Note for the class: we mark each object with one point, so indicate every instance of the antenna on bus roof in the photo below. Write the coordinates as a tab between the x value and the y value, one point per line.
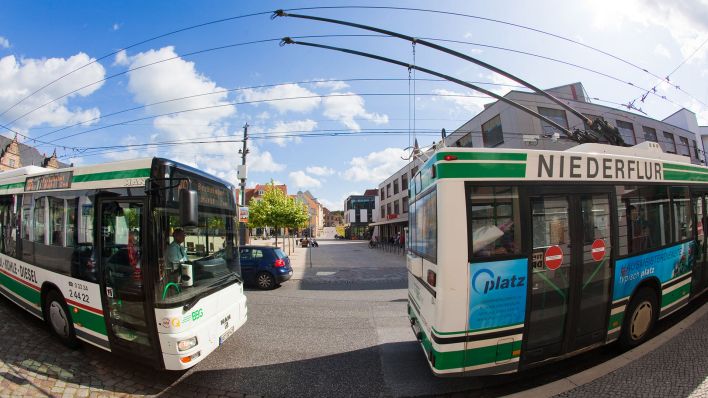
598	128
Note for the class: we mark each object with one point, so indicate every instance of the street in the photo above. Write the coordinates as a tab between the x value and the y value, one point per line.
340	329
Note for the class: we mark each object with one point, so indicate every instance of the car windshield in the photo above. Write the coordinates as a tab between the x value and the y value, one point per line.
195	259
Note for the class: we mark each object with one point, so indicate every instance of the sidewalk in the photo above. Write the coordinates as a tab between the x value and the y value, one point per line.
672	364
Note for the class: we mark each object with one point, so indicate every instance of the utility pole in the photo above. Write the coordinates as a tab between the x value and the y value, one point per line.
242	173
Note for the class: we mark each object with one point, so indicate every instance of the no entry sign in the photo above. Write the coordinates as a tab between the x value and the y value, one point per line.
598	249
553	257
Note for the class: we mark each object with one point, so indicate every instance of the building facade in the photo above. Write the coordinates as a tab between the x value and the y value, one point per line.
391	213
359	213
333	218
502	126
14	155
315	210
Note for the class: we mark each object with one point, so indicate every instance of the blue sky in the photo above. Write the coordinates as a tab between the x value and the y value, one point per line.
40	41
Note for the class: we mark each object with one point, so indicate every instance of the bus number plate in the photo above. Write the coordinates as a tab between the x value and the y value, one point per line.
226	335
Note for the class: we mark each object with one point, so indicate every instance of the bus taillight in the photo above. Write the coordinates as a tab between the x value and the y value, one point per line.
450	157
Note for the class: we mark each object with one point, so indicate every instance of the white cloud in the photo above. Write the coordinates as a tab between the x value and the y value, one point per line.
283	131
121	58
332	205
262	161
376	166
472	105
662	51
274	94
332	84
179	78
303	181
116	26
132	153
346	108
4	43
19	78
320	170
685	20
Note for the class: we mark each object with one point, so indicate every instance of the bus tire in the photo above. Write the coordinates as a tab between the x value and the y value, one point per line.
639	318
58	318
265	281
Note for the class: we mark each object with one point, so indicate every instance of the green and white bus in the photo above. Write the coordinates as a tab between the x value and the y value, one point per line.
521	257
86	249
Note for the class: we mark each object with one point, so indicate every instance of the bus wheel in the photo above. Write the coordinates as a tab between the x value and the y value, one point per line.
265	281
639	318
58	318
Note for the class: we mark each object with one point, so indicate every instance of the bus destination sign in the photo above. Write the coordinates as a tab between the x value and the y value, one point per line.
49	181
213	196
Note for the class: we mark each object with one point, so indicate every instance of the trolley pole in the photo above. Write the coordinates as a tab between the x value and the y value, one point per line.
243	175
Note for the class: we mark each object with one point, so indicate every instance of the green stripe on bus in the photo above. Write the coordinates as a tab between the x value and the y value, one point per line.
478	330
684	176
685	168
477	356
88	319
112	175
13	185
483	156
615	321
675	295
20	289
481	170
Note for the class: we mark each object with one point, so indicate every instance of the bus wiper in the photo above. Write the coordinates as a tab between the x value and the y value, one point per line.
207	291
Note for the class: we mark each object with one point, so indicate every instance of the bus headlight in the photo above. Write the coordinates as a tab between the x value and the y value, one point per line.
184	345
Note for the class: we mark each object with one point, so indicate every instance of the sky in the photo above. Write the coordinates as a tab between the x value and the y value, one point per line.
319	120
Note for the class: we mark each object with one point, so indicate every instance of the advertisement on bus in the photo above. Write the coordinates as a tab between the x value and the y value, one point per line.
664	264
497	294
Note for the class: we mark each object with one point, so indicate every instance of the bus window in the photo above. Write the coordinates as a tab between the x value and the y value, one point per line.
56	221
647	216
683	225
39	220
494	221
424	213
8	226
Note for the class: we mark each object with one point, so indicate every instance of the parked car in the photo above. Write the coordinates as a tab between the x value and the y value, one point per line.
264	266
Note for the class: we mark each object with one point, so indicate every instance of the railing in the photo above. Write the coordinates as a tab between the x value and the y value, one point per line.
387	247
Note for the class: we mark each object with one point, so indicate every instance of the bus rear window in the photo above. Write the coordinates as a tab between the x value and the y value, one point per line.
493	214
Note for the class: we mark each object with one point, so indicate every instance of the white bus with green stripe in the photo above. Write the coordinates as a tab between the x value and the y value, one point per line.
87	249
521	257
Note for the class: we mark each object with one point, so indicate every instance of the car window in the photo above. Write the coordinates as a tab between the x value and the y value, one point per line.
279	253
257	254
245	254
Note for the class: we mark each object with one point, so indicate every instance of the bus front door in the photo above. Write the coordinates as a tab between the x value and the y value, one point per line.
121	249
700	268
571	274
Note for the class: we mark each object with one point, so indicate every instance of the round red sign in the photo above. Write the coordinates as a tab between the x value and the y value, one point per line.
598	249
553	257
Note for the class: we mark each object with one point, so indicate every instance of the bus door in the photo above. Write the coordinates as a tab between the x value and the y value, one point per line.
571	273
700	268
121	248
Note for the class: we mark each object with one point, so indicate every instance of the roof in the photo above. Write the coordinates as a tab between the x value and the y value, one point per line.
29	155
371	192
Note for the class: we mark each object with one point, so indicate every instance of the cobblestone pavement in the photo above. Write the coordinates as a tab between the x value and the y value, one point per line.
679	368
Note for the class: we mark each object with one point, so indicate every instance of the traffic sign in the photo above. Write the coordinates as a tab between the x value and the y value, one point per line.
598	249
553	257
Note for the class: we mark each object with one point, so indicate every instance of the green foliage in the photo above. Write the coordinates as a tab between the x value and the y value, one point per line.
277	210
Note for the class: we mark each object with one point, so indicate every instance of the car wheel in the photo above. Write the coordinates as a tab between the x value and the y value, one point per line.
59	319
265	281
639	318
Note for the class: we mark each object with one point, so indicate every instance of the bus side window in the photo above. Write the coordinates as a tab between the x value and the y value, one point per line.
494	216
8	226
79	236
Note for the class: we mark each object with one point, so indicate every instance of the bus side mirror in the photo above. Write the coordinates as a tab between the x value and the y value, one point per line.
188	208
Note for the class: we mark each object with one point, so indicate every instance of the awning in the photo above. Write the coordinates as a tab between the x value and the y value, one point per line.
389	222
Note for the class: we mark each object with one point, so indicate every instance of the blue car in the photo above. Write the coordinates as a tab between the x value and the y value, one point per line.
264	266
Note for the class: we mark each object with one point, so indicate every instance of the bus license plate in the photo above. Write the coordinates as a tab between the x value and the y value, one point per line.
226	335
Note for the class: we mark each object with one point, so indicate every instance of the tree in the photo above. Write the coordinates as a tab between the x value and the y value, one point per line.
276	210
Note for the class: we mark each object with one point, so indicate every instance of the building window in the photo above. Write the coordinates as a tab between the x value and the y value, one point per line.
465	141
649	134
383	212
395	186
404	204
683	146
382	194
626	130
388	208
388	190
492	134
414	171
404	182
558	116
670	142
695	149
12	162
396	209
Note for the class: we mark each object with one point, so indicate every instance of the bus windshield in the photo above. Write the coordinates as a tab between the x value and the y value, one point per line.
196	259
